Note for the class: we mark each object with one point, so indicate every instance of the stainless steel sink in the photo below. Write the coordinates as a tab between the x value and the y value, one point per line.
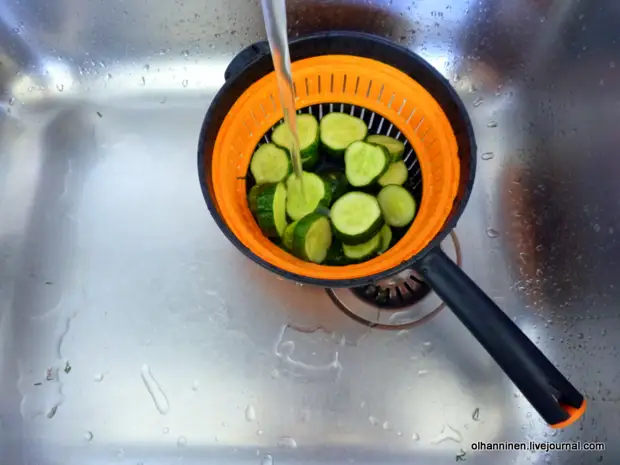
131	331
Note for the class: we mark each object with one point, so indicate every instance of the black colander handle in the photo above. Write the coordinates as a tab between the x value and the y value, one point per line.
549	392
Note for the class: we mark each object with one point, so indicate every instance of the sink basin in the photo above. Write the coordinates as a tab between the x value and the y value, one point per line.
132	331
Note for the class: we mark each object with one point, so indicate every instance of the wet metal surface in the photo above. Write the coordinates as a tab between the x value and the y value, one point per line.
132	332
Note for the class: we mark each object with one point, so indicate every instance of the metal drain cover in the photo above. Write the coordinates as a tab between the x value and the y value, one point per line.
398	302
403	290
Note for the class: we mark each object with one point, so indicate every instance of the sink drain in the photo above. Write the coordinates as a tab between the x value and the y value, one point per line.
403	290
398	302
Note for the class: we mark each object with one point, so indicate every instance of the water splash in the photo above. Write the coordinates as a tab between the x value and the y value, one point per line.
492	233
156	392
267	460
181	441
448	433
98	377
88	436
287	442
487	156
250	414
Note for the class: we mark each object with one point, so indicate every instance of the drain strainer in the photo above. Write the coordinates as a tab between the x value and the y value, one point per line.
403	290
398	302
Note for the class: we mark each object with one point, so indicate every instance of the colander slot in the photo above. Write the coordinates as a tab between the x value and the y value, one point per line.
408	156
380	92
391	99
402	105
352	110
410	116
357	85
331	83
253	117
380	125
425	133
295	90
369	89
362	113
262	108
319	83
266	138
331	107
372	119
273	102
307	87
344	84
320	111
390	130
418	126
247	127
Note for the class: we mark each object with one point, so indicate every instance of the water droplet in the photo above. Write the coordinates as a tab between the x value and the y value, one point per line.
88	436
185	53
142	81
259	432
147	67
492	124
487	156
422	372
540	248
184	83
386	425
596	227
60	87
250	413
373	420
182	441
165	430
195	385
287	442
157	394
476	415
479	101
267	460
415	437
108	76
12	101
492	233
447	434
612	64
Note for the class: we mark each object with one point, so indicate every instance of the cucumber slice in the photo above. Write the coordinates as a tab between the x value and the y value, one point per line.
312	238
362	252
269	206
308	133
386	238
365	163
356	217
394	146
335	255
315	194
270	164
339	130
287	237
337	183
253	198
397	174
398	205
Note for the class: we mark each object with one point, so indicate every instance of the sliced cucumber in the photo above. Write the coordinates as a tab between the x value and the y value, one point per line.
308	133
356	217
312	238
253	198
394	146
397	174
315	194
269	205
337	182
365	163
398	205
386	238
364	251
339	130
287	237
335	255
270	164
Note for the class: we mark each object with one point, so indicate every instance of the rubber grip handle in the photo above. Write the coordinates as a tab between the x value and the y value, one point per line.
550	393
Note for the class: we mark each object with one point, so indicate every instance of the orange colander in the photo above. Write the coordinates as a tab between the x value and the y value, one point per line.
398	94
